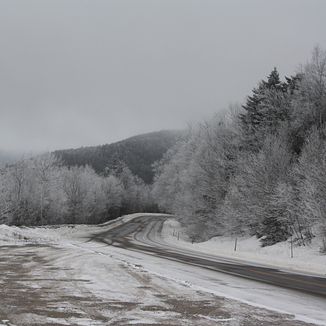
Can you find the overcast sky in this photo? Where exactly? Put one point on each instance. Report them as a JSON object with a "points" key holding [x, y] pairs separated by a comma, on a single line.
{"points": [[81, 73]]}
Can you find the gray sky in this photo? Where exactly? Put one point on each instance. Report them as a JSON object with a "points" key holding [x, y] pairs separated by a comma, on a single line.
{"points": [[81, 73]]}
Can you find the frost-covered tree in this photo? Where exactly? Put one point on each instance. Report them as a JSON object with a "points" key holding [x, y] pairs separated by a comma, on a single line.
{"points": [[193, 182], [20, 188], [134, 193], [252, 188], [31, 194], [310, 177], [314, 83], [48, 196], [169, 189], [5, 203], [82, 188], [39, 190], [308, 102], [112, 191], [269, 178]]}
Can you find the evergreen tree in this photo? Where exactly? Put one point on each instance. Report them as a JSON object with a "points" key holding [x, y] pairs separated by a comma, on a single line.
{"points": [[265, 110], [115, 166]]}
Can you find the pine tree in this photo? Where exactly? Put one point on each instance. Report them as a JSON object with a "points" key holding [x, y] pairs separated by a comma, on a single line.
{"points": [[115, 166], [265, 109], [273, 80]]}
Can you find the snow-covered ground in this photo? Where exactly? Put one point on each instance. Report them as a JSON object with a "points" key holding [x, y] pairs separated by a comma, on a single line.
{"points": [[55, 234], [56, 276], [305, 258]]}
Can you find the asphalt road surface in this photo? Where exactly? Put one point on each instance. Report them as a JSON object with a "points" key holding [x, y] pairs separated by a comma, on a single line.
{"points": [[143, 234]]}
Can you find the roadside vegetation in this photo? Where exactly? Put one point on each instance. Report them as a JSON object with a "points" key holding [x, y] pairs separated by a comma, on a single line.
{"points": [[41, 190], [257, 168]]}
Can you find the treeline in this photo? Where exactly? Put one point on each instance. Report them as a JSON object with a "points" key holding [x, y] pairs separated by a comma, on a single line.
{"points": [[256, 169], [138, 152], [41, 190]]}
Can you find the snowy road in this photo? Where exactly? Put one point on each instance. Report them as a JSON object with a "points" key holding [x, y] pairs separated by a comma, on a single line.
{"points": [[57, 276], [144, 234]]}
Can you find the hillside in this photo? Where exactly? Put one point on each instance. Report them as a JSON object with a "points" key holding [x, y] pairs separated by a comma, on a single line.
{"points": [[138, 152]]}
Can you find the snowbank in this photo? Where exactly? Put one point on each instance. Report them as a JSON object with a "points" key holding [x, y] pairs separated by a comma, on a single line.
{"points": [[305, 258], [12, 235], [54, 234]]}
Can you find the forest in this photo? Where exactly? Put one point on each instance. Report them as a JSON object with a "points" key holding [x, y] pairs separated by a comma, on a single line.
{"points": [[86, 185], [257, 168], [252, 169], [42, 190], [138, 152]]}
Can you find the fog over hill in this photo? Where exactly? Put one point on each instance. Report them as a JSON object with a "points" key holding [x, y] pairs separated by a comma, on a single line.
{"points": [[138, 153]]}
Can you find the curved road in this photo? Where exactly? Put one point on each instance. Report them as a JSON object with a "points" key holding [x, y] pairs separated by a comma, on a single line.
{"points": [[143, 234]]}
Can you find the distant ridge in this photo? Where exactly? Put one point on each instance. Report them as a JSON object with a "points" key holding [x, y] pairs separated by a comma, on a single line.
{"points": [[138, 152]]}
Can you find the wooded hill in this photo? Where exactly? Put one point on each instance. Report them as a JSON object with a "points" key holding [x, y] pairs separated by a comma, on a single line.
{"points": [[64, 187], [138, 153], [256, 169]]}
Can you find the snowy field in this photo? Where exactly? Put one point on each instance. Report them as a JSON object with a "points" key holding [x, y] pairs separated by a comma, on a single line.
{"points": [[55, 276]]}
